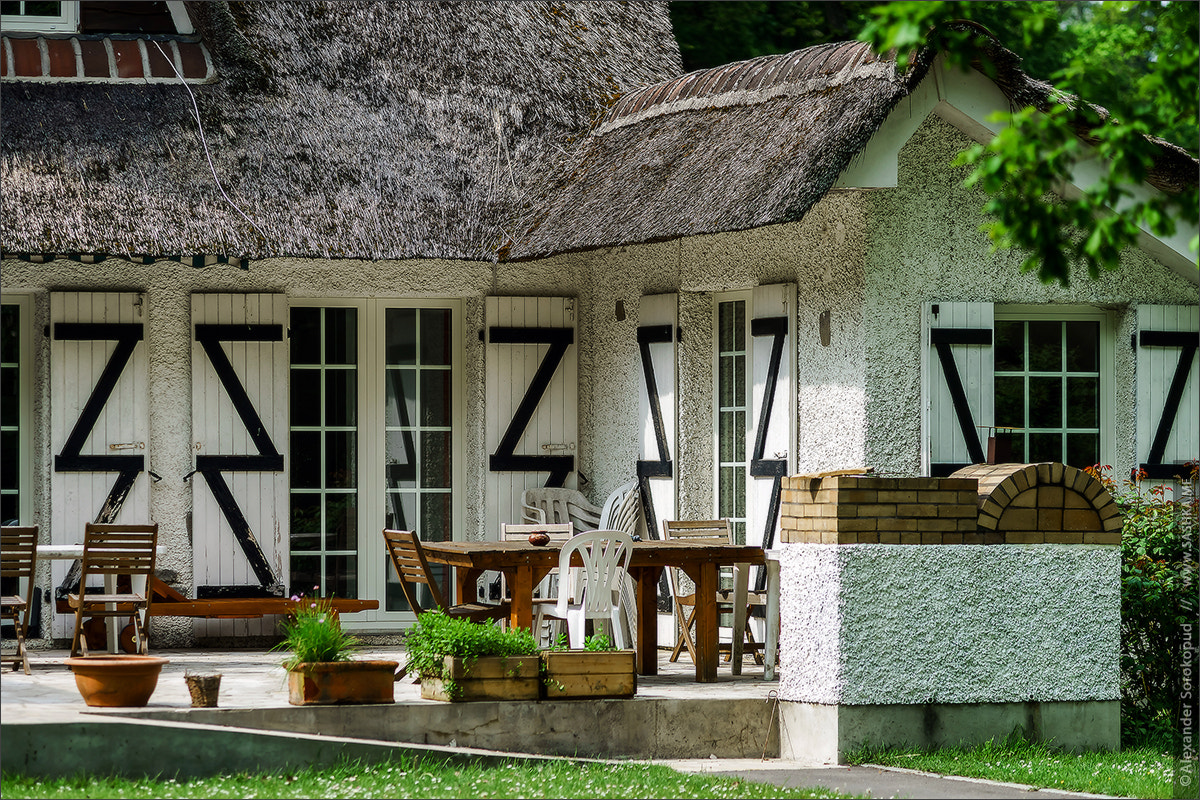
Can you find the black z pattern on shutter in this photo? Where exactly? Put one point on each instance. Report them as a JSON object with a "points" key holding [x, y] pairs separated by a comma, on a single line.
{"points": [[71, 459], [505, 459], [660, 467], [1187, 342], [267, 459], [941, 339], [761, 467]]}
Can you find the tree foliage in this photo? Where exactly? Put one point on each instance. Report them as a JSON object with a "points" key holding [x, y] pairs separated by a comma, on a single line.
{"points": [[1136, 59]]}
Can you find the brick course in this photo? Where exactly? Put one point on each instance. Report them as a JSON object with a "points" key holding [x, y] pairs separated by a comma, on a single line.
{"points": [[1048, 503], [104, 60], [864, 509]]}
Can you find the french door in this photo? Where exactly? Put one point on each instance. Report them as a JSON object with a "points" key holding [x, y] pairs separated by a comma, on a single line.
{"points": [[376, 423]]}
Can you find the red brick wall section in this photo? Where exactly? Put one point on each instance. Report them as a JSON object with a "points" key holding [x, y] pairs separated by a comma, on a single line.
{"points": [[75, 59], [1047, 503]]}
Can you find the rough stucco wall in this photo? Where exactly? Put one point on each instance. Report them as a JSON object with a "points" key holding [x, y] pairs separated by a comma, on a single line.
{"points": [[168, 288], [924, 245], [976, 625], [822, 255]]}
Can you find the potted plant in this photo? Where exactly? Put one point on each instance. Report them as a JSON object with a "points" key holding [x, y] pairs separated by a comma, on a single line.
{"points": [[320, 667], [598, 670], [457, 659]]}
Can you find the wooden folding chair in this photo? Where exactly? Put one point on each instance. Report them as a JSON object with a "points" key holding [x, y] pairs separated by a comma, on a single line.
{"points": [[116, 552], [404, 549], [712, 531], [18, 560]]}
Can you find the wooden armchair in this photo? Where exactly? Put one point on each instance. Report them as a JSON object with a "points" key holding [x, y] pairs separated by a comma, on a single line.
{"points": [[18, 561]]}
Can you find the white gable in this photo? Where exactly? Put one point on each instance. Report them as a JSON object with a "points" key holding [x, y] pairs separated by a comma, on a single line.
{"points": [[966, 100]]}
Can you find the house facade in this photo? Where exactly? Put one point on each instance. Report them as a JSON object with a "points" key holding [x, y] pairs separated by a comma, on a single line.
{"points": [[333, 282]]}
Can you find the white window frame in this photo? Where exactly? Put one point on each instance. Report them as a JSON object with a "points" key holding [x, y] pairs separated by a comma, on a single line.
{"points": [[373, 564], [66, 22], [1107, 365], [24, 304], [746, 296]]}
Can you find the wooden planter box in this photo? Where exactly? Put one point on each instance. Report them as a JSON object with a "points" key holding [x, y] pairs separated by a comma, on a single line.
{"points": [[332, 682], [591, 674], [487, 678]]}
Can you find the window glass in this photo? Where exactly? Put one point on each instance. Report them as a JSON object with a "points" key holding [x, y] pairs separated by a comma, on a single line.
{"points": [[1083, 346], [324, 450], [418, 440], [408, 359], [731, 414], [1045, 346], [40, 16], [1010, 345], [1048, 387]]}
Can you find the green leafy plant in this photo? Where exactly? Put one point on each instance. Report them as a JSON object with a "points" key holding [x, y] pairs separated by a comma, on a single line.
{"points": [[1158, 598], [594, 643], [598, 644], [437, 635], [313, 634]]}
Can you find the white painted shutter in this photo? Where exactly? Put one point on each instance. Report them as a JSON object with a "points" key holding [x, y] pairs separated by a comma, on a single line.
{"points": [[959, 401], [531, 369], [93, 334], [658, 317], [1168, 397], [249, 330], [772, 331]]}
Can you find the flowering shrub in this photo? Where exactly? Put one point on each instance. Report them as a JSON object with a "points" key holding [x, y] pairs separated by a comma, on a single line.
{"points": [[1158, 598], [314, 633]]}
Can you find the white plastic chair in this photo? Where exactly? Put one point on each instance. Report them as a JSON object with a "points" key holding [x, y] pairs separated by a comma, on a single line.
{"points": [[549, 504], [597, 586], [622, 511]]}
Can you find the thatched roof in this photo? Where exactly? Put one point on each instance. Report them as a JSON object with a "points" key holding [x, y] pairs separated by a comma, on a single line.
{"points": [[365, 129], [744, 145]]}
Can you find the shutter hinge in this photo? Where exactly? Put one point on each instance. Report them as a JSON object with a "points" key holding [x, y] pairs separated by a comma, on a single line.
{"points": [[1133, 341]]}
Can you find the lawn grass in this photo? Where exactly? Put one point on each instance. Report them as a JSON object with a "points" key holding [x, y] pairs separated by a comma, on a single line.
{"points": [[1143, 772], [408, 777]]}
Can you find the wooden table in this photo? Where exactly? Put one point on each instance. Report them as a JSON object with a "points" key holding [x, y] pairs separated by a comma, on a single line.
{"points": [[524, 566]]}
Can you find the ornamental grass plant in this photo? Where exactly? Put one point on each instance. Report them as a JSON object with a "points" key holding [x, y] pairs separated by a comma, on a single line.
{"points": [[313, 634]]}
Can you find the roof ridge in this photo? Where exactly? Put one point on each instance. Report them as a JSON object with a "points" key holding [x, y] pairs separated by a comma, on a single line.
{"points": [[750, 81]]}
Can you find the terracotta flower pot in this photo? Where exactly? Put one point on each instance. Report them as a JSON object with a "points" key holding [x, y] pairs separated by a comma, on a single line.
{"points": [[330, 682], [116, 680]]}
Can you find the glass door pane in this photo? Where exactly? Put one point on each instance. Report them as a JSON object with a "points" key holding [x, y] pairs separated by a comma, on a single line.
{"points": [[324, 451], [418, 449]]}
